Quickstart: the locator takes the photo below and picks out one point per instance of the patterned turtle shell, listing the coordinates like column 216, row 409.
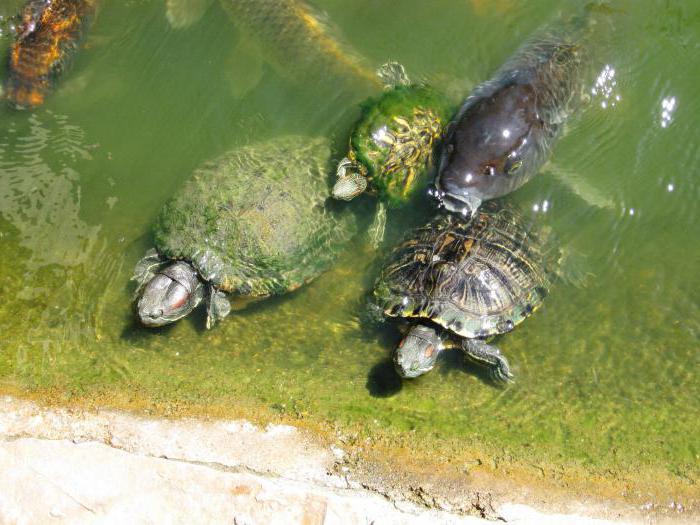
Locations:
column 475, row 276
column 393, row 142
column 255, row 222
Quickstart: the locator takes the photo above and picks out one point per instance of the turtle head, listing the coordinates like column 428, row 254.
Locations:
column 417, row 352
column 351, row 180
column 171, row 294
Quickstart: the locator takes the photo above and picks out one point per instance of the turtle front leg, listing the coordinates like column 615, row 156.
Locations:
column 146, row 269
column 481, row 352
column 375, row 233
column 218, row 308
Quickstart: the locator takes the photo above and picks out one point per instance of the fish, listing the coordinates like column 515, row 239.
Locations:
column 505, row 129
column 47, row 37
column 296, row 39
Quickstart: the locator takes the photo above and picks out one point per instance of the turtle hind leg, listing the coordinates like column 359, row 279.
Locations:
column 146, row 269
column 485, row 354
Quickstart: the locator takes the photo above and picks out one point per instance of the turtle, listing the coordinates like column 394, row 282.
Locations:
column 459, row 280
column 505, row 129
column 254, row 223
column 391, row 145
column 47, row 36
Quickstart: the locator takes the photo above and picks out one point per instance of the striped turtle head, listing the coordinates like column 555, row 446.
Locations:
column 351, row 180
column 417, row 352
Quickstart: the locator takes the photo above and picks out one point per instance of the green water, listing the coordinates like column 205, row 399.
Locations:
column 607, row 375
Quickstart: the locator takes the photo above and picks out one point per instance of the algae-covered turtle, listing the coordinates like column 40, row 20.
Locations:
column 252, row 224
column 391, row 145
column 459, row 280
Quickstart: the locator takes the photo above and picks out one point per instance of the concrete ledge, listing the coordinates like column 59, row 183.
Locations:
column 66, row 466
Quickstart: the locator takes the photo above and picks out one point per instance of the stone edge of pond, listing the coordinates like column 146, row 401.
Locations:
column 77, row 465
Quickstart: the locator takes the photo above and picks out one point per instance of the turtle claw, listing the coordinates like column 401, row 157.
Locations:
column 501, row 374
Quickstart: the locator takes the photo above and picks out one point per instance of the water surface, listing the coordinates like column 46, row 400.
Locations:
column 607, row 375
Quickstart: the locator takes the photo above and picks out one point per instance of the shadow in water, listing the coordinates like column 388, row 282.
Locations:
column 383, row 381
column 134, row 332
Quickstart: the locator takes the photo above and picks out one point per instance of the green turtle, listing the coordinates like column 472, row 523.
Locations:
column 392, row 143
column 252, row 224
column 459, row 280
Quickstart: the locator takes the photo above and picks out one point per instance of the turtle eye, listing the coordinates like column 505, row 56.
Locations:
column 515, row 166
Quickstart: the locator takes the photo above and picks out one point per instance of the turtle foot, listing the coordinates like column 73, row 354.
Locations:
column 393, row 74
column 479, row 351
column 218, row 308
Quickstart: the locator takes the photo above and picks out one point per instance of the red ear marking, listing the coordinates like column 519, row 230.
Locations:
column 429, row 351
column 181, row 296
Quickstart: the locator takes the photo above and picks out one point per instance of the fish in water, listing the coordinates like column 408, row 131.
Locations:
column 294, row 37
column 47, row 37
column 505, row 129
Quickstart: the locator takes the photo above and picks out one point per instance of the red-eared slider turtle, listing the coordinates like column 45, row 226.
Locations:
column 252, row 224
column 47, row 36
column 391, row 145
column 459, row 280
column 505, row 129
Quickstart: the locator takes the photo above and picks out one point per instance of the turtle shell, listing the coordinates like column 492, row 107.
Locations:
column 475, row 276
column 394, row 139
column 255, row 222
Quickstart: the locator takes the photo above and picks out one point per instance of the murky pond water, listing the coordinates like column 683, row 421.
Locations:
column 607, row 375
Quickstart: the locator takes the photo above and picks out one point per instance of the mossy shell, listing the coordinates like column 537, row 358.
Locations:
column 394, row 139
column 476, row 277
column 255, row 222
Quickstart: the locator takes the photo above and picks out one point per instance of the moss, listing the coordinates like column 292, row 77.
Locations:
column 393, row 176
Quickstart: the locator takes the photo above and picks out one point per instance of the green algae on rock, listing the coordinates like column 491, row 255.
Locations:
column 607, row 377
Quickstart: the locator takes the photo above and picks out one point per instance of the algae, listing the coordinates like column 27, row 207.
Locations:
column 607, row 392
